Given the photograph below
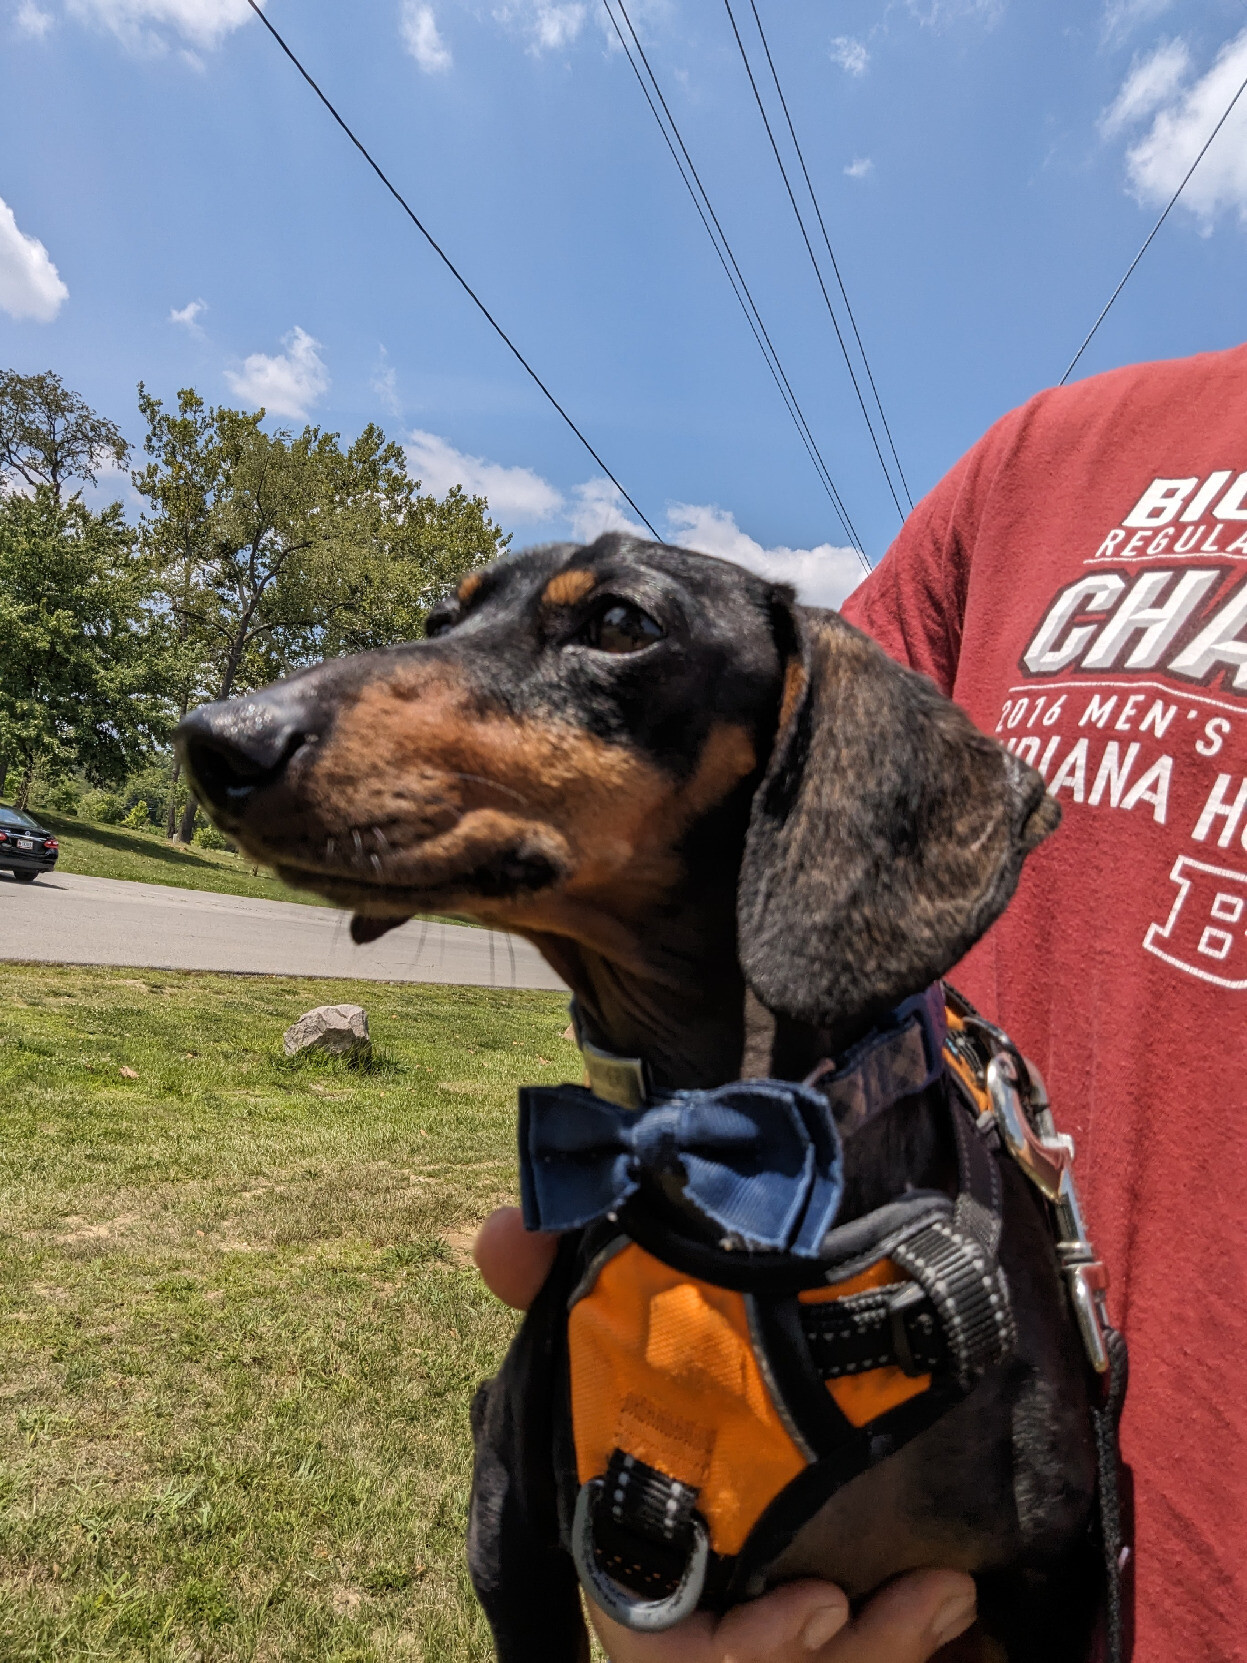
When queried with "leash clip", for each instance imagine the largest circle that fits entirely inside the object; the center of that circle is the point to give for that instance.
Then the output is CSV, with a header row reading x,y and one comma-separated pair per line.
x,y
1048,1162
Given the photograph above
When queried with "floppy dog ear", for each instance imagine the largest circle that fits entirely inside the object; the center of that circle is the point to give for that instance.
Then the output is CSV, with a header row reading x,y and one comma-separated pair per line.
x,y
887,834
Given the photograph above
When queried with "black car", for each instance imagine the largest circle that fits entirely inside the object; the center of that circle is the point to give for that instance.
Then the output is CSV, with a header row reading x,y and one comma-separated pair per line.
x,y
25,848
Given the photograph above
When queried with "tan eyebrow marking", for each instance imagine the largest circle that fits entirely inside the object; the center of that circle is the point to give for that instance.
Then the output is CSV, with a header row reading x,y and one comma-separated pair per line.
x,y
566,588
469,586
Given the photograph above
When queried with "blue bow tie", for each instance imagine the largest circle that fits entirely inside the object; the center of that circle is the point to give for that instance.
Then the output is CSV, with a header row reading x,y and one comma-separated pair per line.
x,y
761,1159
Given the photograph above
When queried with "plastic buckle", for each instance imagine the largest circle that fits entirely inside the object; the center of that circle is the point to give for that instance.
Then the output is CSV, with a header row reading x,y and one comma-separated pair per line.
x,y
644,1616
1048,1163
898,1304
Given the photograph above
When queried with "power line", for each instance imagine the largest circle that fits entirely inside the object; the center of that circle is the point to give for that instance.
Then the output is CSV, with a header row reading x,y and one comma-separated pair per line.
x,y
452,268
735,276
723,249
744,298
1148,239
835,265
835,323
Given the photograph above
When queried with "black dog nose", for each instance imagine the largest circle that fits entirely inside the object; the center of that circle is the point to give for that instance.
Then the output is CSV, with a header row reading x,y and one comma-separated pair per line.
x,y
232,748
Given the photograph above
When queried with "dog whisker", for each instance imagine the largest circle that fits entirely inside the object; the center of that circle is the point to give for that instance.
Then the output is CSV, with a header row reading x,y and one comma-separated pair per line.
x,y
494,785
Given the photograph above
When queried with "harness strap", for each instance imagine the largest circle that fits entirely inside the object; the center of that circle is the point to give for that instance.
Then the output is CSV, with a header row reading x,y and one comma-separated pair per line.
x,y
968,1291
640,1549
652,1519
886,1328
1113,1495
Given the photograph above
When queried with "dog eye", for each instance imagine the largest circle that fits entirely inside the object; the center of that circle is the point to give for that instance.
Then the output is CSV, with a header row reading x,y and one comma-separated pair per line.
x,y
619,628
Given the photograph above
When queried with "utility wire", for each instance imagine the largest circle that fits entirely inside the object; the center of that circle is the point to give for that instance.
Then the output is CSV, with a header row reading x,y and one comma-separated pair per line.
x,y
723,249
1148,239
835,265
452,268
745,299
735,276
809,248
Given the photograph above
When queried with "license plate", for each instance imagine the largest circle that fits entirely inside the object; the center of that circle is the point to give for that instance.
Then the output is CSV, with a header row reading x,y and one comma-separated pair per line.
x,y
25,843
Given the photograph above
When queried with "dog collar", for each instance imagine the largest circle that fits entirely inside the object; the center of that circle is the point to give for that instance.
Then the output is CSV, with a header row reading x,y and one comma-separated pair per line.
x,y
899,1057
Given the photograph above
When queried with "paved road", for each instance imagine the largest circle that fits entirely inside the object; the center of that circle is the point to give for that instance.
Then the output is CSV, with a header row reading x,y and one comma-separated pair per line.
x,y
68,919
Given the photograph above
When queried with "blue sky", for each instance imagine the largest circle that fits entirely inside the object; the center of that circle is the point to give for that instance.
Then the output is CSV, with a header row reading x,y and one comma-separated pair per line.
x,y
177,208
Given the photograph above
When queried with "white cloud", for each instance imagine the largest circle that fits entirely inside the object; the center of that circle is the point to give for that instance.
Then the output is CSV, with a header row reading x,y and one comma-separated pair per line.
x,y
513,493
287,384
936,13
30,285
143,23
1150,82
822,576
1122,17
860,167
850,54
548,24
1157,164
31,21
384,384
188,315
418,27
598,509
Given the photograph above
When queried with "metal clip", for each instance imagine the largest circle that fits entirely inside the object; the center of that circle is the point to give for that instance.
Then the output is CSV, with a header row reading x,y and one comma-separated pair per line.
x,y
634,1611
1048,1163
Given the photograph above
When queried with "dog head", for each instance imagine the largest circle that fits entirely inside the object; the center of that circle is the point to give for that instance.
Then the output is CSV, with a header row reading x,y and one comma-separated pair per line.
x,y
626,746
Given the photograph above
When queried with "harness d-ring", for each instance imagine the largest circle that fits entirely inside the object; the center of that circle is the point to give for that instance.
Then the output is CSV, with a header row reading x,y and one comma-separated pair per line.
x,y
645,1616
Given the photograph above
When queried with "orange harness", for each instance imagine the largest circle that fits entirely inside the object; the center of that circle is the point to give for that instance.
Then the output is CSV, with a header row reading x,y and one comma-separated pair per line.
x,y
719,1396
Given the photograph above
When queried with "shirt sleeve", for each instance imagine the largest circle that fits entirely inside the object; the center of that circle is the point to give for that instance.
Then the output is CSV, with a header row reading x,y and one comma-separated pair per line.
x,y
913,603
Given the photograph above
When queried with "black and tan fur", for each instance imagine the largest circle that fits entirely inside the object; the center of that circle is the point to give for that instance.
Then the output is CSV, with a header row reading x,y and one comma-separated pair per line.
x,y
739,844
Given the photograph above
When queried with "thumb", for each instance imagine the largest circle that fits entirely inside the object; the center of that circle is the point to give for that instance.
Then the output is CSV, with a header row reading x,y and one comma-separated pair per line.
x,y
909,1620
795,1620
513,1262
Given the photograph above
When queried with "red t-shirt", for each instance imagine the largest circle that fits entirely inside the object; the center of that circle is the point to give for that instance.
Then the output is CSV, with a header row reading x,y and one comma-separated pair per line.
x,y
1078,583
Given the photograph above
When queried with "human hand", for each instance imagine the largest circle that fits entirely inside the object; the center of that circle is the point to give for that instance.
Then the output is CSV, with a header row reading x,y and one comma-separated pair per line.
x,y
801,1622
513,1261
809,1622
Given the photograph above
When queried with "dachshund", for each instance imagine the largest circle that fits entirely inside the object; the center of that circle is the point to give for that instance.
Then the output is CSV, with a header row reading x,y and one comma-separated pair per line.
x,y
742,835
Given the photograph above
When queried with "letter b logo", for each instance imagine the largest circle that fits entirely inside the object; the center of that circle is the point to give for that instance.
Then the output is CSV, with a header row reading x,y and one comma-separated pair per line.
x,y
1206,931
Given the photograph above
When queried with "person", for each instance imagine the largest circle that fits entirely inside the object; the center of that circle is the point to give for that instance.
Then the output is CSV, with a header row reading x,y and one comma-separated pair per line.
x,y
1078,583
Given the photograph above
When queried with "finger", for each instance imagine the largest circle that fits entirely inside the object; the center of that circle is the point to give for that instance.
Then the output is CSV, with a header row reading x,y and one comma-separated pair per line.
x,y
791,1624
513,1261
908,1622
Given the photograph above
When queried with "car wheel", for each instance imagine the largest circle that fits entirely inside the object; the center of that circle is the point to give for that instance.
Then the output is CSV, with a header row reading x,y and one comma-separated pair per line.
x,y
25,877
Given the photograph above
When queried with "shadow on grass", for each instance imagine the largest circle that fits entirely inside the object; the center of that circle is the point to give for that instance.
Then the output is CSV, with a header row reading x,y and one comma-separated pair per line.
x,y
363,1059
120,841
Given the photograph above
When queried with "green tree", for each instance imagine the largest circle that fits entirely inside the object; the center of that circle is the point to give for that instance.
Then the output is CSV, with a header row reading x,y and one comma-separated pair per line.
x,y
275,550
83,663
49,435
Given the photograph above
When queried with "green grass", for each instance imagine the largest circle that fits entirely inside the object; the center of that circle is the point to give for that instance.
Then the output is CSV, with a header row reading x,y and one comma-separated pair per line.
x,y
238,1330
147,857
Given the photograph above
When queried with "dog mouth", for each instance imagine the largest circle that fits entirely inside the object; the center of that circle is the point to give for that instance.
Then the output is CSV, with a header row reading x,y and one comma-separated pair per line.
x,y
483,862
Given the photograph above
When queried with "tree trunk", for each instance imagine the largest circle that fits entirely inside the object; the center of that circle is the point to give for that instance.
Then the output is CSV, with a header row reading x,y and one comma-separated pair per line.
x,y
4,772
171,814
23,790
186,829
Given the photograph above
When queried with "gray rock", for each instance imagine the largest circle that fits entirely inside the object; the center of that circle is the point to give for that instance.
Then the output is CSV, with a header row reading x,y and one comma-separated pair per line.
x,y
332,1028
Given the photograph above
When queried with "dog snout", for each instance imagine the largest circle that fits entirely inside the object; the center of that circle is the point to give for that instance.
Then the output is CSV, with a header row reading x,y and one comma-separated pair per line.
x,y
233,749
